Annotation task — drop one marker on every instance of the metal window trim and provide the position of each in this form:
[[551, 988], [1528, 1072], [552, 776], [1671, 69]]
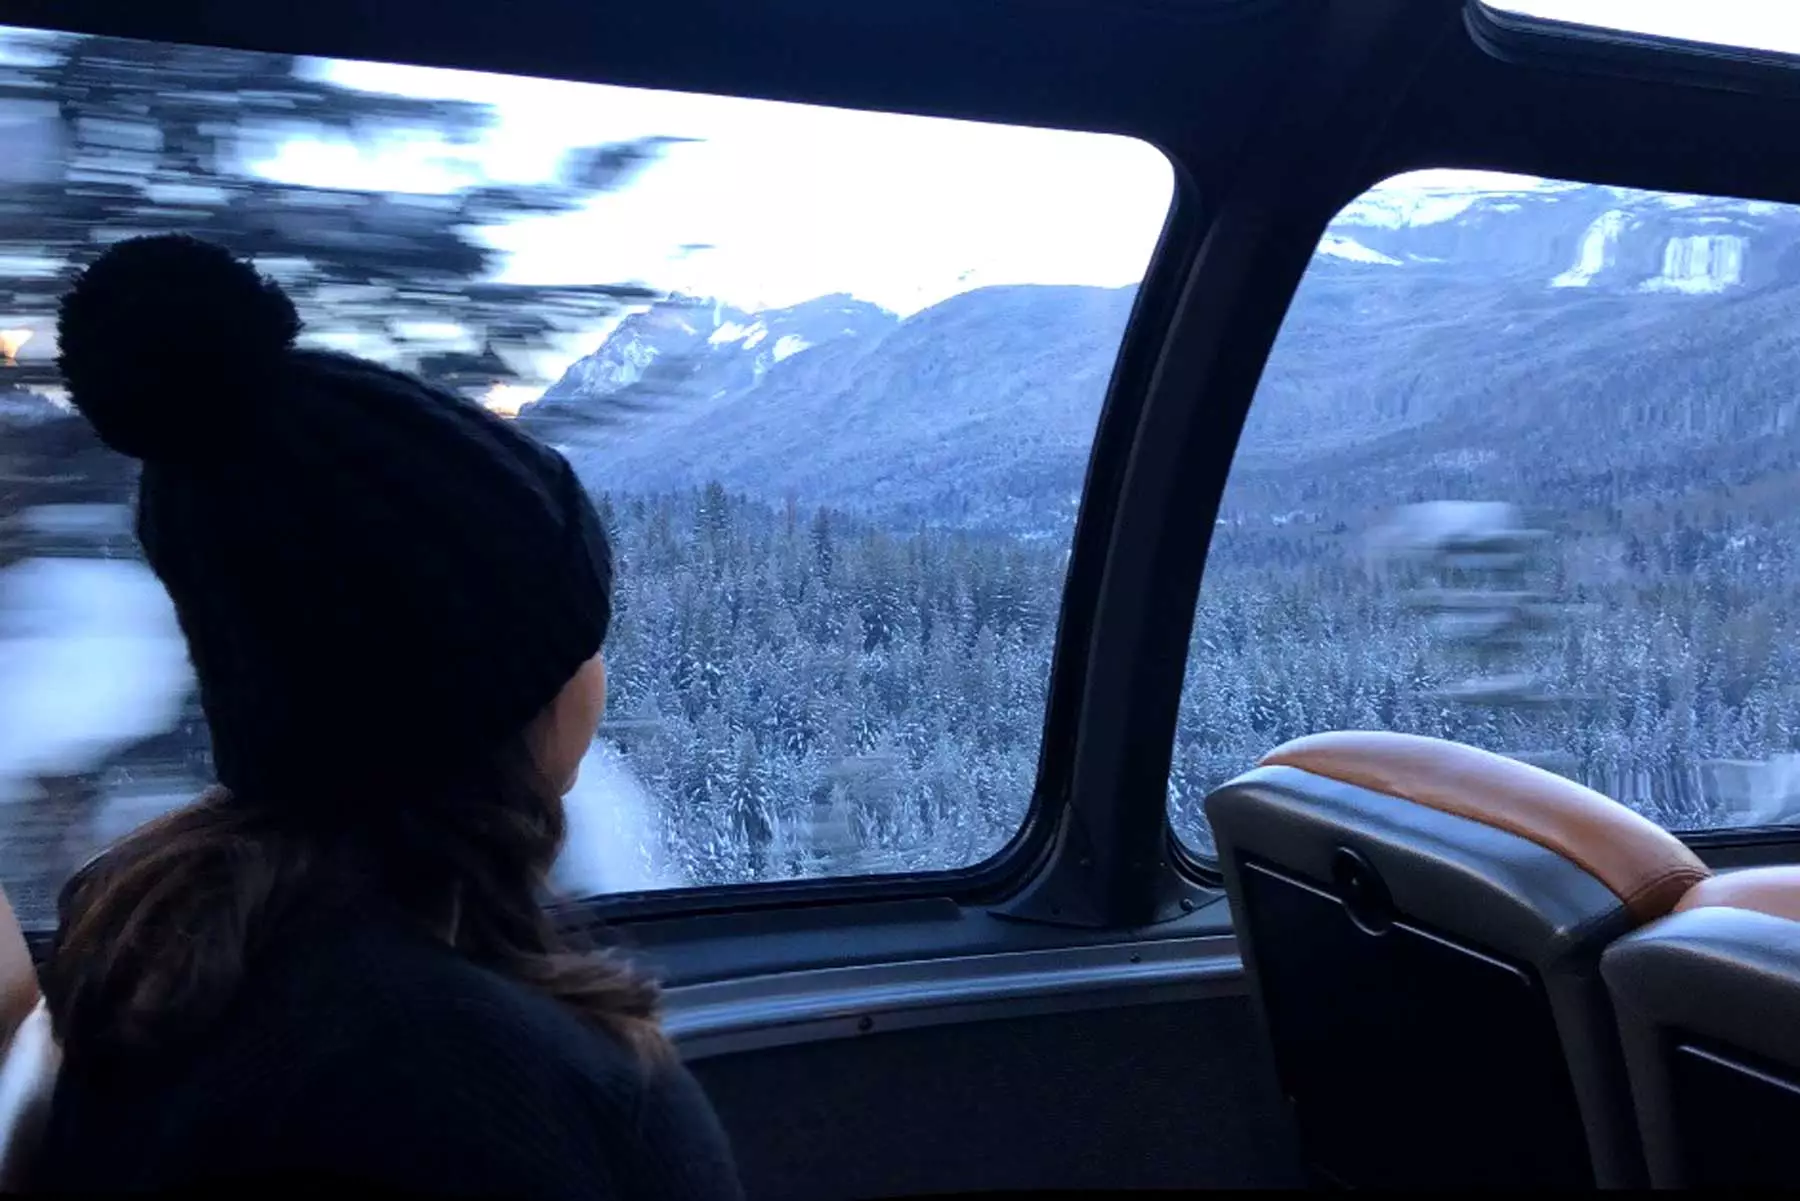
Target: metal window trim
[[783, 1009]]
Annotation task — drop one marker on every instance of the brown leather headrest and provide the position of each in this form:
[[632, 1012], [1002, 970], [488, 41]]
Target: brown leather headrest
[[1644, 865], [1771, 890]]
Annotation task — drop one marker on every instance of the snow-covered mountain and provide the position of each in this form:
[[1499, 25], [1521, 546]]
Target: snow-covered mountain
[[698, 349], [1434, 326], [962, 412], [1575, 236]]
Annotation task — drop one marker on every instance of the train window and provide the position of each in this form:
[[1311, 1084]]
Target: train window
[[1740, 24], [832, 377], [1520, 473]]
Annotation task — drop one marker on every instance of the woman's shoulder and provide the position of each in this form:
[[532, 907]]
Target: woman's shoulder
[[438, 1071], [401, 998]]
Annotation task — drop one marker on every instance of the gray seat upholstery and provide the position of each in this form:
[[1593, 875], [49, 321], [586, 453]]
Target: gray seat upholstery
[[1708, 1004], [1421, 923]]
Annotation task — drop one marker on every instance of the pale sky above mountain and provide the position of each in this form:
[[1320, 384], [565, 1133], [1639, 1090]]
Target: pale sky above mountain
[[1759, 24], [794, 201]]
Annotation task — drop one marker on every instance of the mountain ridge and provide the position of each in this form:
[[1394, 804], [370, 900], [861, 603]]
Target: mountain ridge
[[1436, 347], [1437, 342]]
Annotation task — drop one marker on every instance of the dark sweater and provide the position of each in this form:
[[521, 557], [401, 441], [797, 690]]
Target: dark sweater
[[374, 1054]]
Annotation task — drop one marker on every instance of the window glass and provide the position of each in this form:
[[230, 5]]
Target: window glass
[[1745, 24], [832, 377], [1520, 473]]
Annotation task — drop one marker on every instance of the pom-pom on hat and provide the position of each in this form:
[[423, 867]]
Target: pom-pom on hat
[[375, 577], [179, 318]]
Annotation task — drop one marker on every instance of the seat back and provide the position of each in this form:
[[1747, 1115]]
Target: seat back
[[1421, 924], [1708, 1004], [29, 1057]]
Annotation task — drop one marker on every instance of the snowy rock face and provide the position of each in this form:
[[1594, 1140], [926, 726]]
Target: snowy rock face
[[1575, 236], [1702, 263], [1691, 262], [703, 349], [1338, 246], [1598, 248]]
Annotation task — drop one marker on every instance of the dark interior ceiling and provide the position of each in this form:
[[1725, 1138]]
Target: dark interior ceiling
[[1057, 62]]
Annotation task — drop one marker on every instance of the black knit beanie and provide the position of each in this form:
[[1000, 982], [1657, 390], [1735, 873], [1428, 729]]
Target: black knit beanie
[[376, 578]]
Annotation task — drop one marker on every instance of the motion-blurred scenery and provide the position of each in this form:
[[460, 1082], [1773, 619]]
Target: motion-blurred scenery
[[1517, 473]]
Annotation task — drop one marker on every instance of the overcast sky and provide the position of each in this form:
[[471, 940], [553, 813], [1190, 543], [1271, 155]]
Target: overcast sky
[[795, 201], [1763, 24]]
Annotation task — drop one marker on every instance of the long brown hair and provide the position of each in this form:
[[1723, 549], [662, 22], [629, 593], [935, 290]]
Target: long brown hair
[[158, 933]]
